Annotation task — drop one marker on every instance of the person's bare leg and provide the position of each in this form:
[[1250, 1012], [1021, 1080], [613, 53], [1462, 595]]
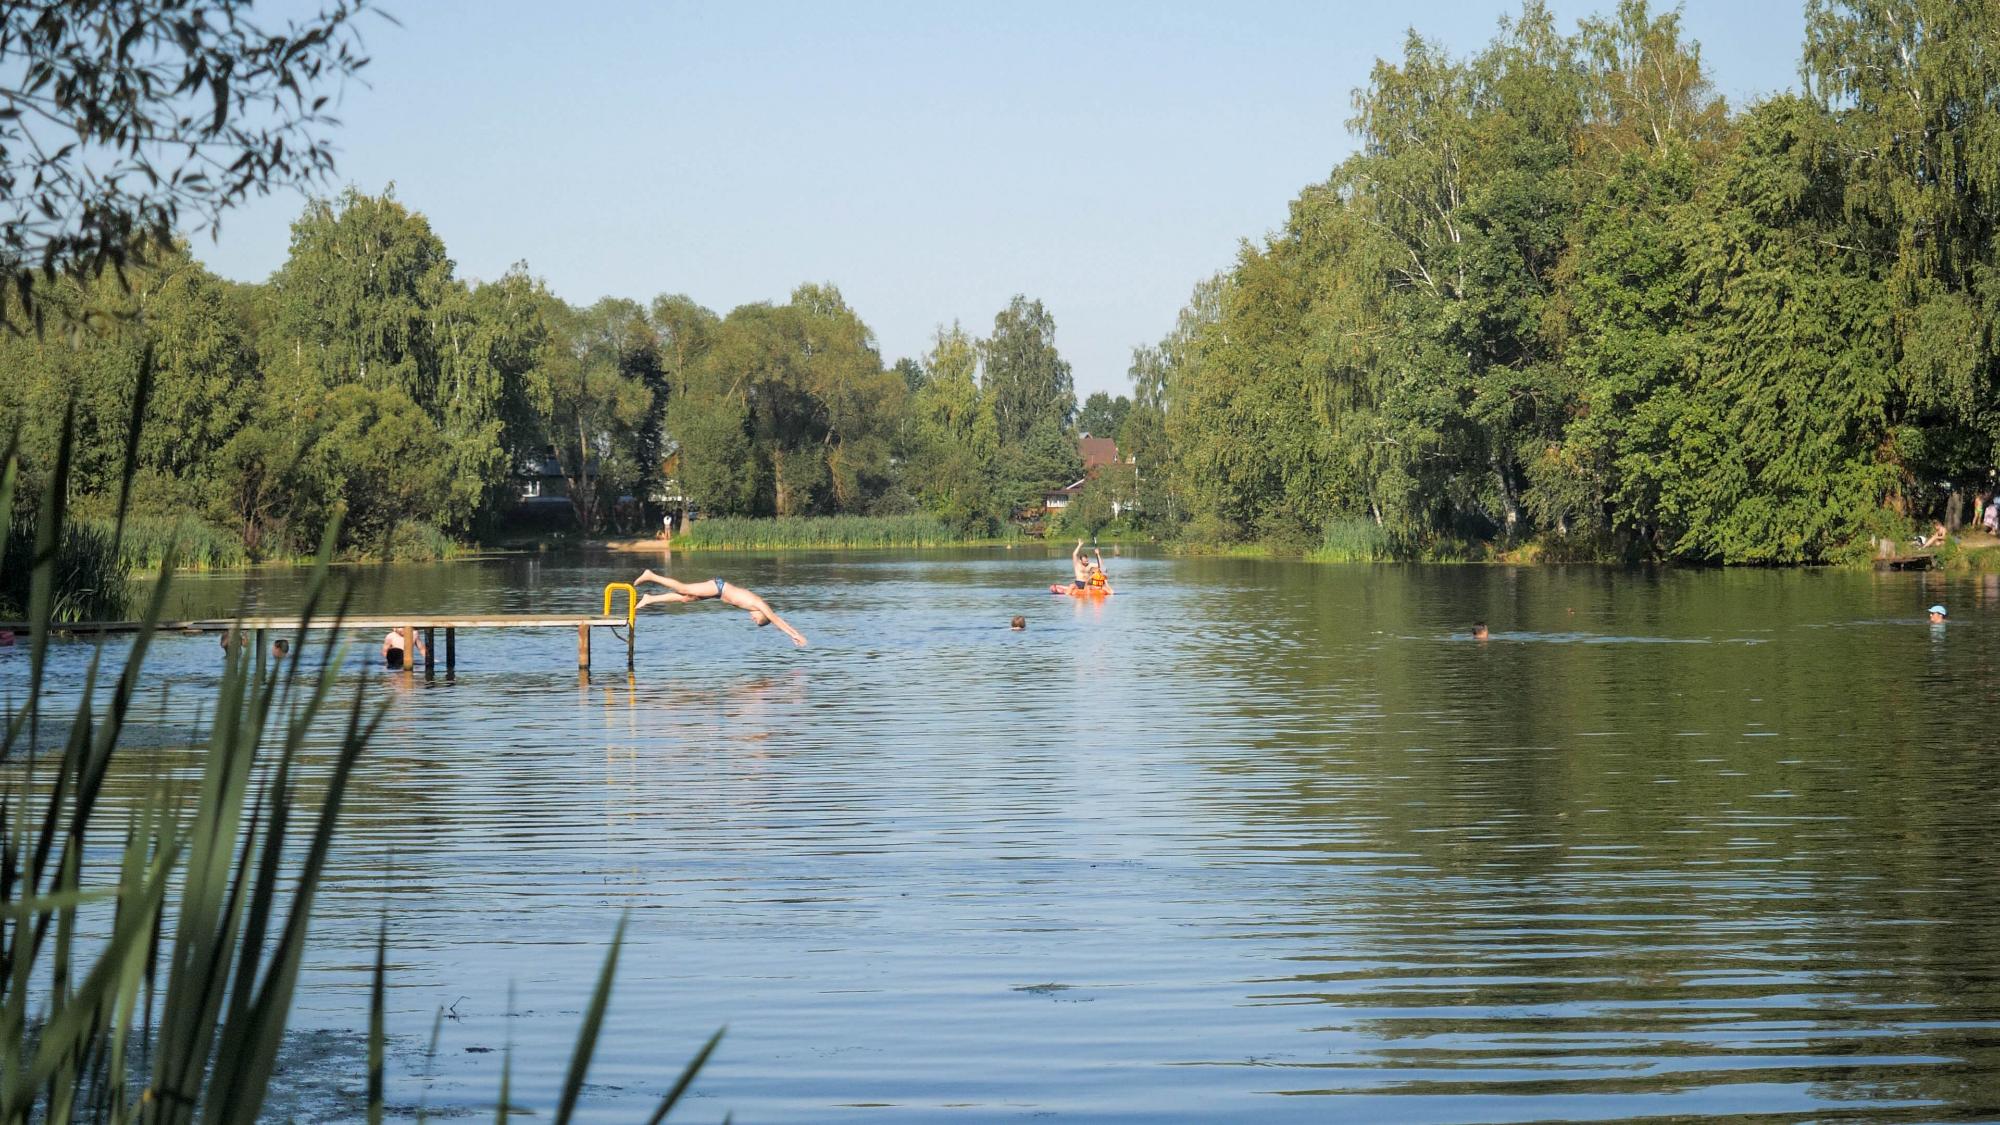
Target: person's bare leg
[[692, 591]]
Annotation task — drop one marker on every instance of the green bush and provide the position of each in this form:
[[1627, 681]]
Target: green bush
[[1209, 531], [417, 541]]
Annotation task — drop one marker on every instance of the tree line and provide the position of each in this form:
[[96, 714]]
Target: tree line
[[1564, 297], [365, 375]]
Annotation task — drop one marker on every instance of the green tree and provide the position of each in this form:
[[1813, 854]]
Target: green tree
[[596, 401], [121, 121], [1781, 453], [789, 411], [954, 439], [1101, 415], [1027, 379], [367, 298], [1911, 85]]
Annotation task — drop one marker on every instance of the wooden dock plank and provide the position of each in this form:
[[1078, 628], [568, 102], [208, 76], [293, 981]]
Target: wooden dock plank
[[384, 622]]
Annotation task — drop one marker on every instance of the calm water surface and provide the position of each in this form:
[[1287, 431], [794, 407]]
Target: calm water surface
[[1249, 841]]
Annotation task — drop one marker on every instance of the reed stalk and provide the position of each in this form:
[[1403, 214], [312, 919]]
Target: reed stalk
[[149, 956]]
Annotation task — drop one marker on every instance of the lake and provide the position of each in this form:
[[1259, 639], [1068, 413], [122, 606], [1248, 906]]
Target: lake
[[1249, 840]]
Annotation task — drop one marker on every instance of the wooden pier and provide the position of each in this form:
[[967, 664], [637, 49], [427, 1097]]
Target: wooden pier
[[257, 628]]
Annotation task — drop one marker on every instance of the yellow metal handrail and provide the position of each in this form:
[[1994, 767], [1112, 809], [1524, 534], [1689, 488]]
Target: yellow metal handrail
[[631, 600]]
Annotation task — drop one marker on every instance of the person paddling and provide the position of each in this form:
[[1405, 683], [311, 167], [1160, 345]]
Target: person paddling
[[1089, 571], [760, 611]]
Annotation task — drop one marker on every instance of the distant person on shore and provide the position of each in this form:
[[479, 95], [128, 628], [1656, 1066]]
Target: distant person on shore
[[1990, 518], [760, 611], [393, 654]]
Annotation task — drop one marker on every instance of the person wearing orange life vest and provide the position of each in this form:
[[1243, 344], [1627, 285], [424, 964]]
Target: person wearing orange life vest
[[1094, 577]]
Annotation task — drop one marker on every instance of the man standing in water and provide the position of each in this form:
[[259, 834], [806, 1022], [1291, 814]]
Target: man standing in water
[[759, 610], [393, 655]]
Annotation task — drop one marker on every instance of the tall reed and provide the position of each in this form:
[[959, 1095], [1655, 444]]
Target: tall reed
[[89, 579], [1353, 540], [149, 956], [734, 533], [196, 543]]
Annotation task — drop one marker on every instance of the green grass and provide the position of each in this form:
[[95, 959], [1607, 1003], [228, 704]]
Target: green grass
[[149, 954], [817, 533]]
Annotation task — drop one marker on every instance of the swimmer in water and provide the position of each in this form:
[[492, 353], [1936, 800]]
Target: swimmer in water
[[1938, 615], [1018, 624], [1479, 631], [760, 611]]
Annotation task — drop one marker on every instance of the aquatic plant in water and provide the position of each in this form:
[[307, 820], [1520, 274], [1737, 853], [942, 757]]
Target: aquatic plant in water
[[149, 955]]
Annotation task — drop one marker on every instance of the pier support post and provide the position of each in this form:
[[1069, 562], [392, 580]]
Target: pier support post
[[583, 644], [631, 641], [430, 650], [450, 649]]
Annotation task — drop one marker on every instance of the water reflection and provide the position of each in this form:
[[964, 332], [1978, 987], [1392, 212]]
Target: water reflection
[[1246, 840]]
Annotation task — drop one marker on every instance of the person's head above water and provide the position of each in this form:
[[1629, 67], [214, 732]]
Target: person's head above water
[[1938, 615], [1479, 630], [1019, 622]]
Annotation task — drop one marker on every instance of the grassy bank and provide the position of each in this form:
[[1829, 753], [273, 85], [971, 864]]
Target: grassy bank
[[821, 533]]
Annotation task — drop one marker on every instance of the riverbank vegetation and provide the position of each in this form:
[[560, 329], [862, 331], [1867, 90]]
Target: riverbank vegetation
[[365, 378], [1563, 302], [154, 946], [735, 533]]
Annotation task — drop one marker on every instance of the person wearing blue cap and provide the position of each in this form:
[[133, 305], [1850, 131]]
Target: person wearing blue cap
[[1937, 615]]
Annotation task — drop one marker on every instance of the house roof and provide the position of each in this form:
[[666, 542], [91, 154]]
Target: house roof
[[1096, 451]]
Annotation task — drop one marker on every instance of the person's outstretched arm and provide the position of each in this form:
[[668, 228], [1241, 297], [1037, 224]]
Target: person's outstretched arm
[[785, 627]]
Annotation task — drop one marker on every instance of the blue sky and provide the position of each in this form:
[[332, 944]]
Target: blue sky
[[930, 159]]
